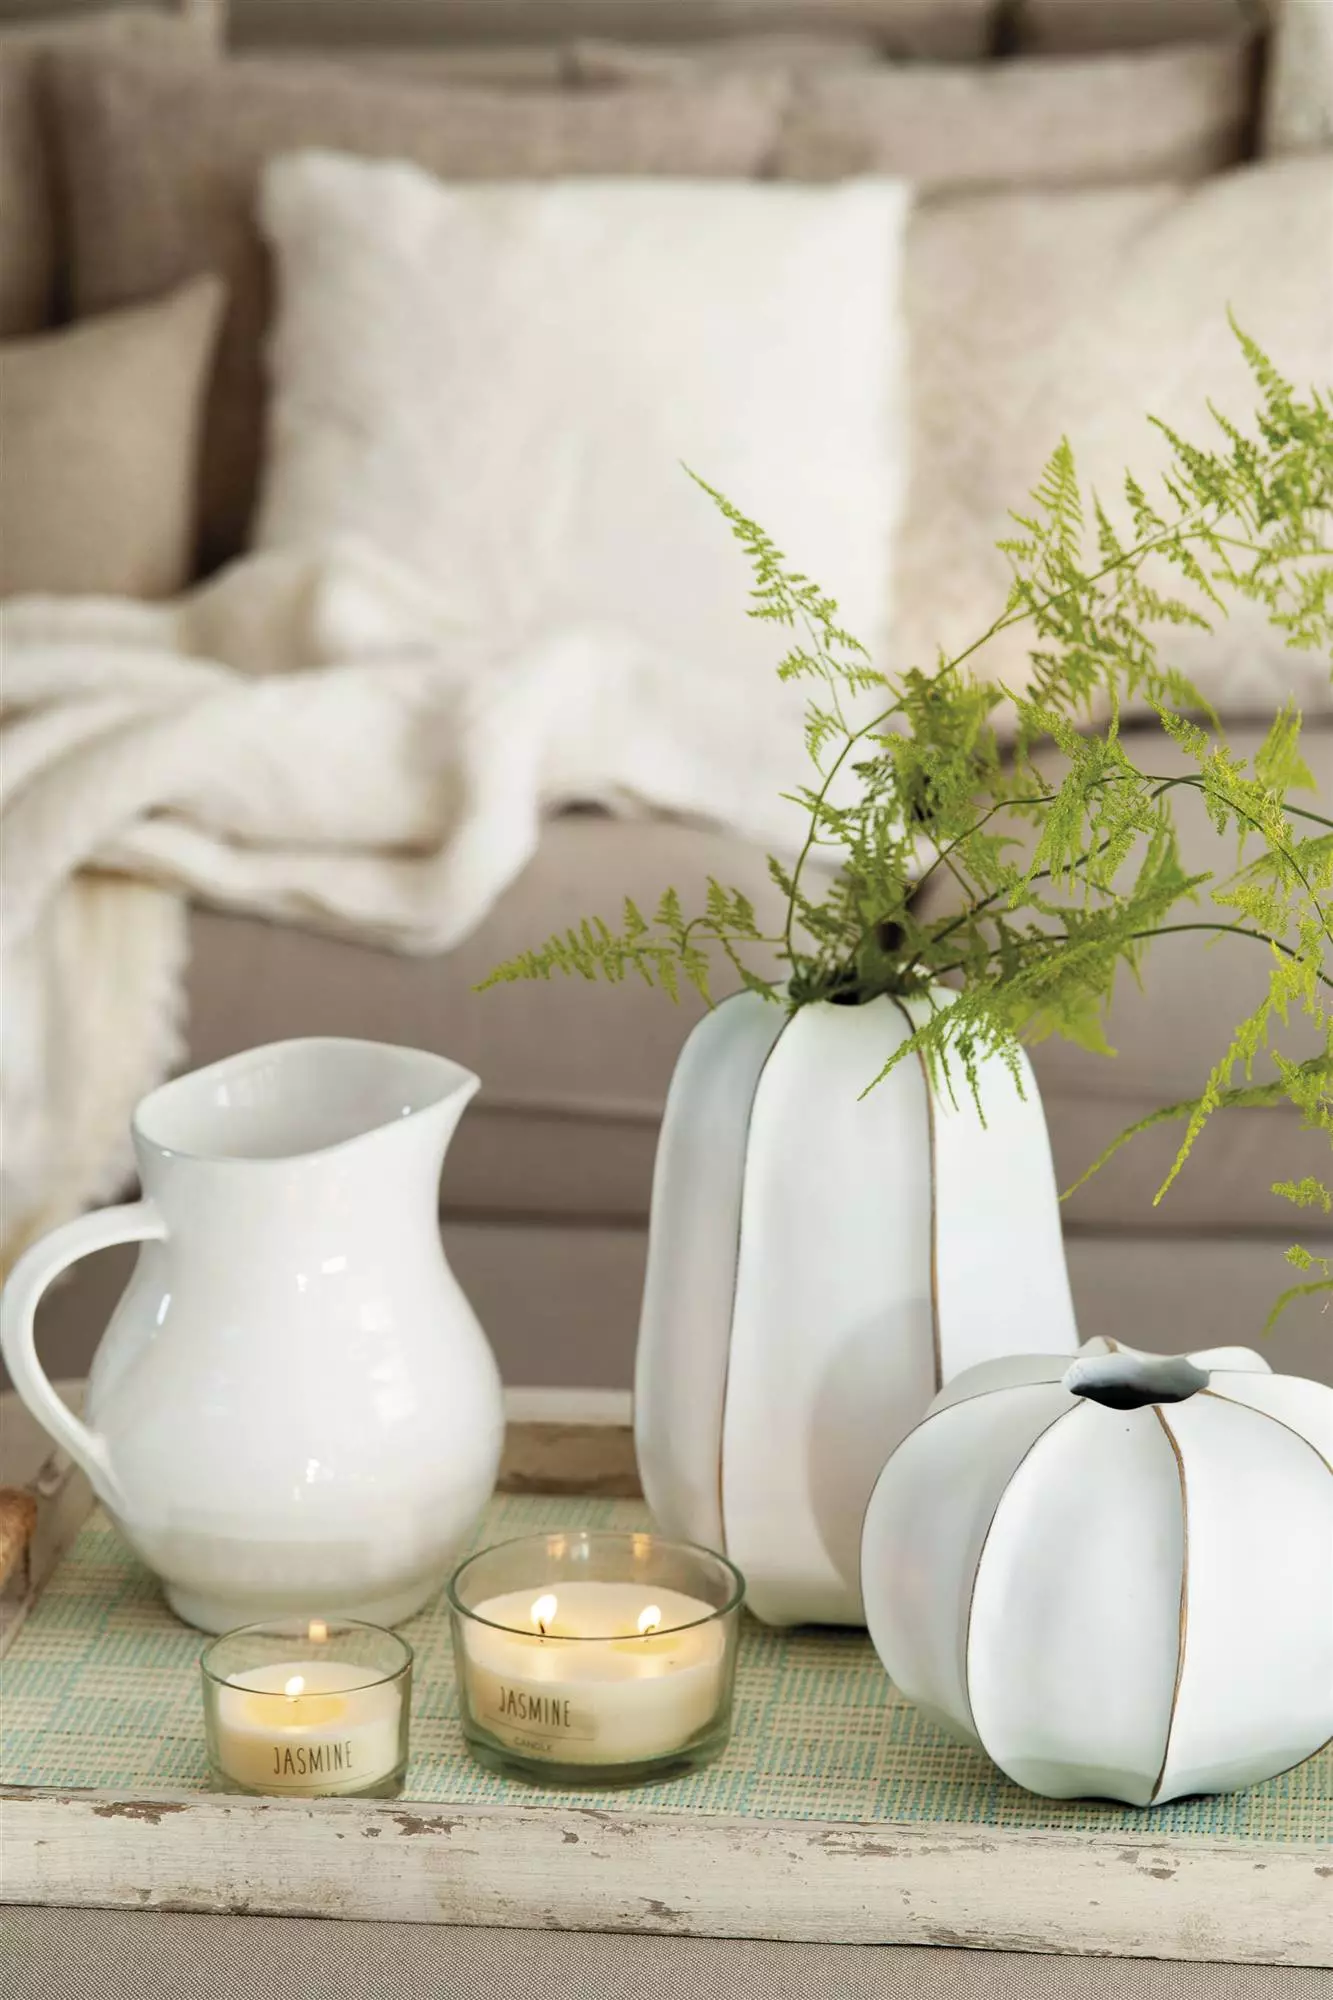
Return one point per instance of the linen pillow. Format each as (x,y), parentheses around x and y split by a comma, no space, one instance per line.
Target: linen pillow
(512,415)
(1038,315)
(100,425)
(30,253)
(1165,114)
(161,162)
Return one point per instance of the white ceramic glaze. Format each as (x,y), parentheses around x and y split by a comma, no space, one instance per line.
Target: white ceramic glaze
(1127,1598)
(820,1261)
(293,1408)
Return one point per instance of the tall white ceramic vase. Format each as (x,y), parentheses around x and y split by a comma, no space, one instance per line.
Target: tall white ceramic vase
(820,1262)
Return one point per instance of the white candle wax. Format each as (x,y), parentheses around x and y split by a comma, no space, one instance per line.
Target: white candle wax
(307,1726)
(631,1698)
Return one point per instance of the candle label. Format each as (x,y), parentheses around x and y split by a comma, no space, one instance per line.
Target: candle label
(528,1720)
(312,1760)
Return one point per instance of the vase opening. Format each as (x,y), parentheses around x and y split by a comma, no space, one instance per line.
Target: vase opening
(1133,1381)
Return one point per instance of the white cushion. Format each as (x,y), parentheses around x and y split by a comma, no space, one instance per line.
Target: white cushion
(500,384)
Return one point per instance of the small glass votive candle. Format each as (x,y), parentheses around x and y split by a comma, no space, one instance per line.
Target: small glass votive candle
(595,1658)
(308,1707)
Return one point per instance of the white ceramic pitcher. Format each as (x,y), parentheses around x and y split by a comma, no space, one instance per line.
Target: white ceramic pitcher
(293,1409)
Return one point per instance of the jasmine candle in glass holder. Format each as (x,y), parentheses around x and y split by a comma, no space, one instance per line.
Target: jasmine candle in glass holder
(308,1708)
(595,1658)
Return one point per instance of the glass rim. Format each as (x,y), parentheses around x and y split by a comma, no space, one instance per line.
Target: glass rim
(734,1601)
(278,1628)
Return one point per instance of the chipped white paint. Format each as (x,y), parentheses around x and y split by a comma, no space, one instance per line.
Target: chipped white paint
(688,1875)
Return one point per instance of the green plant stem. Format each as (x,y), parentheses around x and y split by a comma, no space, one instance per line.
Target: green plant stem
(1250,1097)
(1043,874)
(1133,937)
(1293,1292)
(1258,549)
(1162,784)
(820,797)
(1231,930)
(1189,530)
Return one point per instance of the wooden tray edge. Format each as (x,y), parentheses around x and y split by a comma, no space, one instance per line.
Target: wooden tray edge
(687,1875)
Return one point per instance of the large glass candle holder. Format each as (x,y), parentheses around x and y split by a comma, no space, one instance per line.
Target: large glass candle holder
(595,1658)
(308,1707)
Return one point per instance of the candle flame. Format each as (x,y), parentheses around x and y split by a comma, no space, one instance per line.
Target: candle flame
(649,1619)
(294,1687)
(543,1612)
(317,1632)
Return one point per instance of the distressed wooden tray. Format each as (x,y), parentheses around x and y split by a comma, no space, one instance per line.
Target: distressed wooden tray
(837,1815)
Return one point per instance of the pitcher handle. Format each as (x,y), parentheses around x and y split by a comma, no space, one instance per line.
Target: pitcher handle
(131,1222)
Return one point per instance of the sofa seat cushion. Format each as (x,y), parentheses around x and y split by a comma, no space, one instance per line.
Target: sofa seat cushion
(1167,1034)
(573,1076)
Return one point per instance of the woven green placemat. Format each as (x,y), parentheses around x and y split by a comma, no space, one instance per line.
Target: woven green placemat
(101,1689)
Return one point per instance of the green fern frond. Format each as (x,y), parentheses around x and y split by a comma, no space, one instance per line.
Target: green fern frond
(1059,845)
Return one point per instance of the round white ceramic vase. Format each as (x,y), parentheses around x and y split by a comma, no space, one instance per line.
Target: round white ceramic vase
(1116,1576)
(293,1409)
(820,1261)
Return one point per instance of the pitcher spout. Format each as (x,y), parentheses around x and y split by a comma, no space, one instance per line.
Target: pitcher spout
(297,1100)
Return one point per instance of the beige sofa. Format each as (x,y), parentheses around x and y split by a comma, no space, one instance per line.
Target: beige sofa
(545,1197)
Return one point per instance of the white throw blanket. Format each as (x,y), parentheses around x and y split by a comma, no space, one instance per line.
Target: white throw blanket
(307,737)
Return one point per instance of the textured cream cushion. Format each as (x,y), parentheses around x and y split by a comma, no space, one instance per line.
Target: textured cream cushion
(161,160)
(1034,315)
(30,246)
(100,426)
(500,385)
(1161,114)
